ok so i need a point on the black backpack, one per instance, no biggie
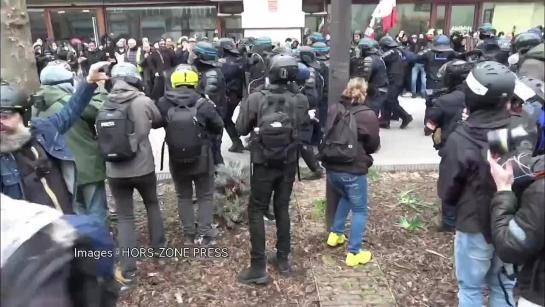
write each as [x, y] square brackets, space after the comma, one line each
[114, 129]
[340, 144]
[277, 124]
[185, 136]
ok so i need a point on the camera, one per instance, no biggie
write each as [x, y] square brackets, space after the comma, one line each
[508, 140]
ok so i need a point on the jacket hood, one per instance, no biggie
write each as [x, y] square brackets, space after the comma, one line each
[489, 118]
[123, 92]
[53, 94]
[182, 96]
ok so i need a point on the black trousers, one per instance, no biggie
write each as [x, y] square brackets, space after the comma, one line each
[232, 103]
[264, 182]
[391, 106]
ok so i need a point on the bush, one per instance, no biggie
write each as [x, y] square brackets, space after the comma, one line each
[232, 193]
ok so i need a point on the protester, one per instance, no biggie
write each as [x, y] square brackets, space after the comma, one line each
[25, 144]
[132, 170]
[190, 153]
[274, 164]
[120, 51]
[131, 56]
[465, 182]
[182, 52]
[347, 182]
[145, 68]
[90, 57]
[57, 89]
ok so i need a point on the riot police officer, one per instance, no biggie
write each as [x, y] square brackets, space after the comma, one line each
[523, 42]
[373, 70]
[274, 159]
[258, 63]
[394, 65]
[444, 116]
[322, 55]
[491, 50]
[211, 83]
[439, 54]
[232, 67]
[313, 90]
[315, 37]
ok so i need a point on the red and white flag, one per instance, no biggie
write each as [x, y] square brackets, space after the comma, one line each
[387, 12]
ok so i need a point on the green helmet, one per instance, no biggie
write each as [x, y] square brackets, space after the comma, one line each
[526, 41]
[368, 46]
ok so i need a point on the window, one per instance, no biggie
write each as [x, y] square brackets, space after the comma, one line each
[461, 18]
[313, 22]
[440, 23]
[37, 24]
[71, 23]
[412, 18]
[361, 16]
[155, 23]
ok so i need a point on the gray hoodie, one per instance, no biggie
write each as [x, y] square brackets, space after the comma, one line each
[145, 115]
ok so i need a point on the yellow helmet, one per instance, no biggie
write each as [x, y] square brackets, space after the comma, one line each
[184, 75]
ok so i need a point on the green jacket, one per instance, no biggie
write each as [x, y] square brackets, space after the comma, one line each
[81, 138]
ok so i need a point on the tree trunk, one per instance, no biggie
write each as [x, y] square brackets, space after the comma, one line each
[18, 62]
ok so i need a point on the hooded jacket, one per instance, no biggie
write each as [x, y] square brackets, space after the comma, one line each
[368, 138]
[206, 116]
[144, 115]
[81, 138]
[465, 180]
[517, 231]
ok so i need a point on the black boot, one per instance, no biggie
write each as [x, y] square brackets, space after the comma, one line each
[281, 264]
[237, 147]
[405, 122]
[254, 275]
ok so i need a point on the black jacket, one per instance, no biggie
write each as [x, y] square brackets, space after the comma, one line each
[446, 113]
[250, 110]
[233, 71]
[518, 234]
[212, 84]
[92, 57]
[433, 60]
[464, 173]
[395, 67]
[181, 56]
[206, 116]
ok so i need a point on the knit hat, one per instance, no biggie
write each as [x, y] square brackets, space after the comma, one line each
[55, 74]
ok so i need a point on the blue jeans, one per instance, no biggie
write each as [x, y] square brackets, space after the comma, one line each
[353, 196]
[418, 68]
[476, 266]
[92, 201]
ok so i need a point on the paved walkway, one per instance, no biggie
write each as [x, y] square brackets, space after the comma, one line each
[405, 149]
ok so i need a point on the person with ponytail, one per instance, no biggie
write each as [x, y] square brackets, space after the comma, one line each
[346, 185]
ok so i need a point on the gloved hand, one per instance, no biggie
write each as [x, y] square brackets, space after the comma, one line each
[312, 114]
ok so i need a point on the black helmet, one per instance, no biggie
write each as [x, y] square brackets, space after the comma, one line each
[228, 44]
[205, 52]
[387, 42]
[283, 69]
[486, 30]
[454, 72]
[526, 41]
[368, 46]
[441, 43]
[12, 98]
[489, 85]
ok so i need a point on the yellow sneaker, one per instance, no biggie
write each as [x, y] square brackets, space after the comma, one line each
[360, 258]
[335, 239]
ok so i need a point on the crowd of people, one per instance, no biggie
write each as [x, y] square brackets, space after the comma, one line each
[484, 110]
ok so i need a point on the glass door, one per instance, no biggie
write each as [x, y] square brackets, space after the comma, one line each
[461, 18]
[69, 23]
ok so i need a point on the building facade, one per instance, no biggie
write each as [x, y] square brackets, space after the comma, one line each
[64, 19]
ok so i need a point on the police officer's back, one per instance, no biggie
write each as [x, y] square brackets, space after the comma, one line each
[258, 63]
[373, 70]
[440, 53]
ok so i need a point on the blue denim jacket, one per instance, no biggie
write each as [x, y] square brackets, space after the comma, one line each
[48, 133]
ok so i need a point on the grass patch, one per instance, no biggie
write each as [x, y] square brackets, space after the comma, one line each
[410, 199]
[373, 174]
[318, 208]
[411, 224]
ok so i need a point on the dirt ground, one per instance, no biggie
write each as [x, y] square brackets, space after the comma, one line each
[417, 262]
